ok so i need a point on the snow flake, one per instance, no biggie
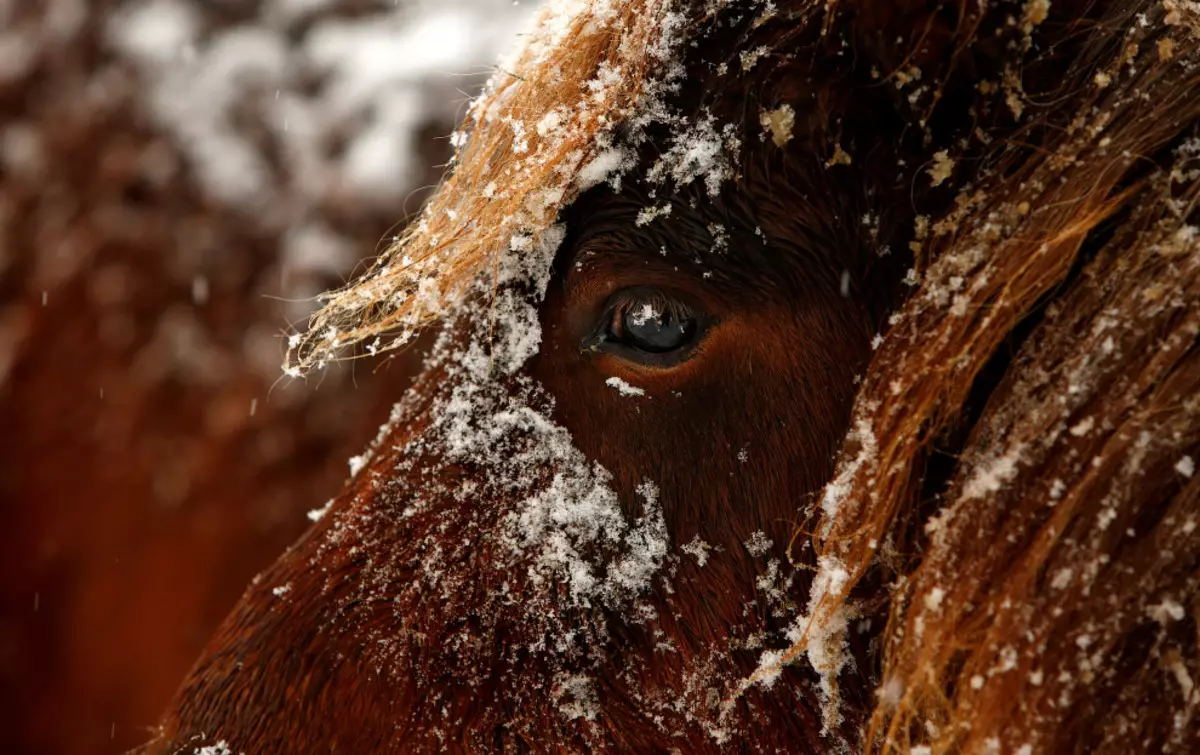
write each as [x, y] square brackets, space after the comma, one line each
[1166, 611]
[840, 157]
[941, 169]
[933, 599]
[1185, 466]
[758, 544]
[1083, 427]
[698, 549]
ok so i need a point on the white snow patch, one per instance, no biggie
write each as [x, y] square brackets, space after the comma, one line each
[624, 388]
[697, 152]
[838, 489]
[609, 163]
[357, 463]
[826, 642]
[992, 476]
[317, 514]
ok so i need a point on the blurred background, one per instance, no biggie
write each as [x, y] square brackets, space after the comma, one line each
[178, 180]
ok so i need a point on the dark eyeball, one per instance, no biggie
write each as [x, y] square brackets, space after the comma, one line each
[645, 327]
[648, 326]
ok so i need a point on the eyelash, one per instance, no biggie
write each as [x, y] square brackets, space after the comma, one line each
[626, 301]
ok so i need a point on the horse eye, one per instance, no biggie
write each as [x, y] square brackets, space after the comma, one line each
[647, 326]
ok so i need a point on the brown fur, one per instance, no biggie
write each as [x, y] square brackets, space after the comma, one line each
[1045, 599]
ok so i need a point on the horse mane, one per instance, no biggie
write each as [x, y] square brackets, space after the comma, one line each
[1020, 471]
[1022, 454]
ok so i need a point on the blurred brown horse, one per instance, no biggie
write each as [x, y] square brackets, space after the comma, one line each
[151, 461]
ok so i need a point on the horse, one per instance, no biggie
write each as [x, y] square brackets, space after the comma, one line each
[808, 377]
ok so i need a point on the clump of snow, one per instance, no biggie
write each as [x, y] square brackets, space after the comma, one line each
[779, 123]
[934, 598]
[316, 515]
[1083, 427]
[698, 152]
[824, 637]
[991, 476]
[758, 544]
[1166, 611]
[575, 696]
[941, 169]
[1036, 11]
[357, 463]
[624, 388]
[697, 549]
[750, 58]
[650, 214]
[770, 666]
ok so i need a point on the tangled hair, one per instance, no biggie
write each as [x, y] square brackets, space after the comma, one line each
[1045, 569]
[1020, 472]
